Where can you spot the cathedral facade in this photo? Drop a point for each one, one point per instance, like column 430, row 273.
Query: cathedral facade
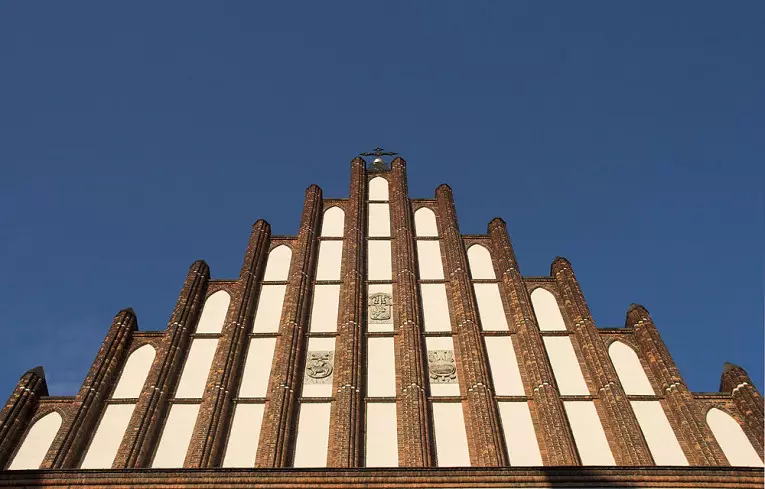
column 381, row 347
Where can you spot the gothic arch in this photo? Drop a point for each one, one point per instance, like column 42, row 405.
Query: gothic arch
column 479, row 259
column 278, row 264
column 333, row 222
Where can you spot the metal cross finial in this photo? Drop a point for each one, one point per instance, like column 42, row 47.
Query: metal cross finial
column 379, row 152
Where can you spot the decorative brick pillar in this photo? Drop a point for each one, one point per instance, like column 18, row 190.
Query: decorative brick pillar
column 21, row 406
column 143, row 430
column 619, row 421
column 69, row 445
column 555, row 439
column 346, row 414
column 479, row 405
column 683, row 410
column 737, row 383
column 280, row 411
column 215, row 412
column 415, row 431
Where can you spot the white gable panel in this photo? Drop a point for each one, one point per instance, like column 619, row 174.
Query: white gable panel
column 278, row 264
column 108, row 437
column 313, row 435
column 629, row 369
column 429, row 260
column 330, row 260
column 171, row 452
column 214, row 313
column 490, row 308
column 382, row 441
column 245, row 433
column 520, row 437
column 36, row 443
column 435, row 307
column 269, row 312
column 333, row 222
column 378, row 189
column 326, row 302
column 257, row 367
column 134, row 373
column 381, row 368
column 568, row 373
column 588, row 433
column 547, row 311
column 732, row 439
column 504, row 366
column 197, row 368
column 481, row 266
column 379, row 220
column 379, row 265
column 451, row 438
column 425, row 222
column 658, row 433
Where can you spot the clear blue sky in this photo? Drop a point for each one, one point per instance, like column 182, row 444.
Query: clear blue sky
column 136, row 138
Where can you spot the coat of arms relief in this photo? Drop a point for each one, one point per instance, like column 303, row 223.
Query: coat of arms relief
column 380, row 308
column 442, row 368
column 318, row 367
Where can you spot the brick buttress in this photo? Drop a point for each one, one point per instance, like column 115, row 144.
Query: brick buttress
column 281, row 409
column 682, row 410
column 69, row 444
column 484, row 436
column 749, row 402
column 415, row 432
column 149, row 414
column 217, row 403
column 346, row 413
column 555, row 439
column 18, row 411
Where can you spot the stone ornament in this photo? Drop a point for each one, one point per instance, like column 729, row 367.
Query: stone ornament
column 380, row 308
column 318, row 367
column 441, row 367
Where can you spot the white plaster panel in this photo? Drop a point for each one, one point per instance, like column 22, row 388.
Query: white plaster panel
column 108, row 437
column 326, row 301
column 378, row 189
column 732, row 439
column 442, row 343
column 481, row 266
column 588, row 433
column 278, row 264
column 325, row 389
column 381, row 327
column 379, row 220
column 176, row 436
column 257, row 367
column 504, row 366
column 425, row 222
column 546, row 309
column 214, row 313
column 451, row 438
column 245, row 433
column 330, row 260
column 313, row 435
column 429, row 260
column 658, row 433
column 379, row 265
column 490, row 309
column 36, row 443
column 381, row 368
column 520, row 437
column 134, row 373
column 382, row 440
column 197, row 368
column 568, row 373
column 269, row 312
column 629, row 369
column 333, row 222
column 435, row 307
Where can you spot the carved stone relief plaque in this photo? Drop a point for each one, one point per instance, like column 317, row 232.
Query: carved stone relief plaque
column 442, row 368
column 380, row 308
column 318, row 367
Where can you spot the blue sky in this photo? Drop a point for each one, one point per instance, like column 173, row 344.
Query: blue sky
column 136, row 138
